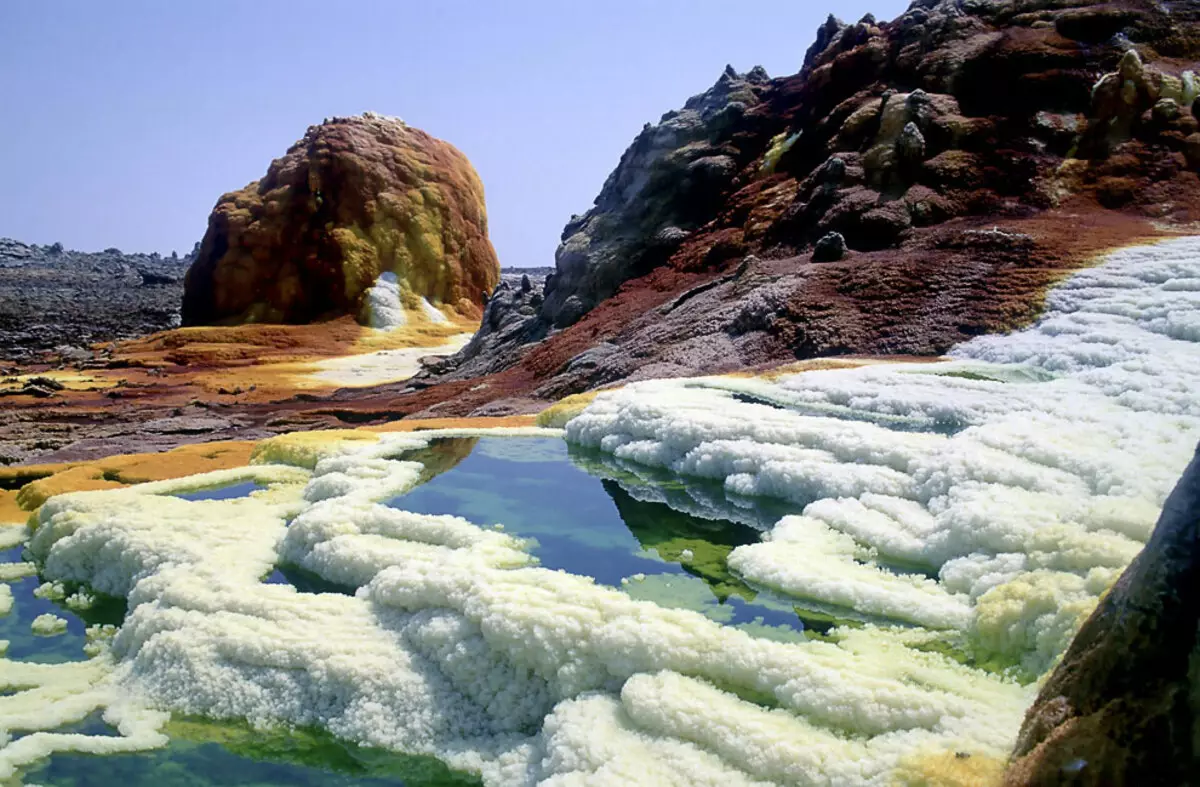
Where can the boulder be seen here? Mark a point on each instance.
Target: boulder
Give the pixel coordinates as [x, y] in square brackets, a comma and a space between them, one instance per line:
[830, 248]
[670, 181]
[949, 148]
[357, 197]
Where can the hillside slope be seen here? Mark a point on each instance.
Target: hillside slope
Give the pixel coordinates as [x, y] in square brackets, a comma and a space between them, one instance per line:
[967, 155]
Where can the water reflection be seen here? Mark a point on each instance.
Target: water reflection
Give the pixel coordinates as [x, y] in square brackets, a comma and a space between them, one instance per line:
[658, 536]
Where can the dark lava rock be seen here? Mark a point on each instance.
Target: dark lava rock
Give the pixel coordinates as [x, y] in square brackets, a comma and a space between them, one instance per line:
[55, 299]
[1121, 708]
[672, 179]
[830, 248]
[570, 312]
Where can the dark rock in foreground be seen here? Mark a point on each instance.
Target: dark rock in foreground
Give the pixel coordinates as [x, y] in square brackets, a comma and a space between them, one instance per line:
[1121, 708]
[51, 297]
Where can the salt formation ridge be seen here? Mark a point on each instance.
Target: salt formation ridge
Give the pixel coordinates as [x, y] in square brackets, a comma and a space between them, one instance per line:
[1026, 472]
[456, 644]
[975, 507]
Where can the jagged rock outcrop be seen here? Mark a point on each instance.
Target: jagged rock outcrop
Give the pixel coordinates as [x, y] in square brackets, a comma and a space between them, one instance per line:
[1122, 706]
[355, 198]
[913, 140]
[669, 182]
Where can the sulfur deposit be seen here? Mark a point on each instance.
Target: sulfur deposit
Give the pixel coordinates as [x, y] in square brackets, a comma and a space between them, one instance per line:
[958, 518]
[366, 216]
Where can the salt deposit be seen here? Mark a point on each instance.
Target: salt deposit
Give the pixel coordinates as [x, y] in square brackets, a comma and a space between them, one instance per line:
[48, 625]
[382, 304]
[381, 366]
[10, 572]
[1026, 472]
[986, 501]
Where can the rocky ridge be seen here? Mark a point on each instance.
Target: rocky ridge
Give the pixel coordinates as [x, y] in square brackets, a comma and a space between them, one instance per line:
[938, 147]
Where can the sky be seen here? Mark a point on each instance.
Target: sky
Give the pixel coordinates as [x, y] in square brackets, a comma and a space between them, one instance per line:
[126, 119]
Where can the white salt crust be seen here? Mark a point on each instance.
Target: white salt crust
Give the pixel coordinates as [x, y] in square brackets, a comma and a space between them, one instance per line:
[455, 644]
[48, 625]
[381, 366]
[1026, 472]
[382, 305]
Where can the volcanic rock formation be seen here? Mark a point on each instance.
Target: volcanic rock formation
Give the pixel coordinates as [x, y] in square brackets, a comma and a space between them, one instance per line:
[357, 197]
[968, 153]
[669, 182]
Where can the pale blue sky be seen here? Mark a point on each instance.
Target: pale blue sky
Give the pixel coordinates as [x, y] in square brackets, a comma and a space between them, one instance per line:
[125, 119]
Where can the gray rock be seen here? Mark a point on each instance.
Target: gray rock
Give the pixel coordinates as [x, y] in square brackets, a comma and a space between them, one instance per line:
[826, 34]
[670, 236]
[910, 146]
[52, 297]
[671, 176]
[570, 312]
[830, 248]
[1166, 110]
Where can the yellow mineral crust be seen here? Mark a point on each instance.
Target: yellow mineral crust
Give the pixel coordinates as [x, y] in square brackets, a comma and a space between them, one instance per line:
[43, 481]
[112, 473]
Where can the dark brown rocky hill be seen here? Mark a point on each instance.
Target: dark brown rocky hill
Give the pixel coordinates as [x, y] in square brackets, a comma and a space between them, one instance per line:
[51, 297]
[916, 183]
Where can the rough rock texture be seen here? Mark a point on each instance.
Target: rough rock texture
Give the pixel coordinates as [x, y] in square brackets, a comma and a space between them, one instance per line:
[52, 297]
[1121, 707]
[354, 198]
[668, 183]
[1014, 176]
[830, 248]
[958, 150]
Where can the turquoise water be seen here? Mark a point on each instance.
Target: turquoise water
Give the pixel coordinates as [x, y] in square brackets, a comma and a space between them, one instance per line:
[245, 759]
[227, 492]
[200, 754]
[589, 516]
[23, 645]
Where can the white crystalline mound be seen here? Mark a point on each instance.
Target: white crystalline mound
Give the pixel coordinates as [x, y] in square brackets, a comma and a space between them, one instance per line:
[48, 625]
[1027, 472]
[454, 645]
[384, 310]
[38, 698]
[432, 313]
[383, 306]
[12, 535]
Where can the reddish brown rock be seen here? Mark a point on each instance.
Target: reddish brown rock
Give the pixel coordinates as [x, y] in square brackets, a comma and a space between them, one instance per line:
[356, 197]
[908, 138]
